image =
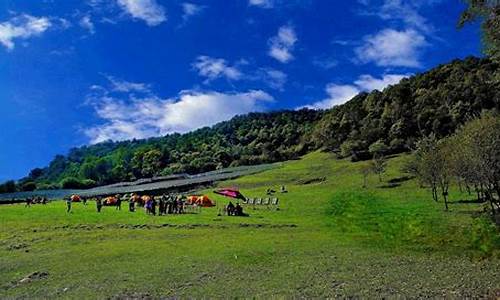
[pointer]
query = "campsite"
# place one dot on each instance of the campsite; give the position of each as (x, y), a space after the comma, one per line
(272, 252)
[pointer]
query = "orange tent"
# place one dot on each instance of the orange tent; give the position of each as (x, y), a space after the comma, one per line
(110, 200)
(75, 198)
(200, 200)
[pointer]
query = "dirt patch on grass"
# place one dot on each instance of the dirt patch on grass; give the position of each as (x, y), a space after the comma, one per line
(17, 246)
(314, 180)
(35, 276)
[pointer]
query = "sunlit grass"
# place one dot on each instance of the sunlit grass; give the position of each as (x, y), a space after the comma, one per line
(324, 238)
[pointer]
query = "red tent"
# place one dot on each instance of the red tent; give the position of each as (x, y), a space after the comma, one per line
(230, 192)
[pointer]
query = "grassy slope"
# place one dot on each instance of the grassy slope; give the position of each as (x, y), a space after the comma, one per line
(348, 241)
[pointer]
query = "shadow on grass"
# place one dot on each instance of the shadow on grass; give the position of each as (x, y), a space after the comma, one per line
(389, 186)
(400, 179)
(469, 201)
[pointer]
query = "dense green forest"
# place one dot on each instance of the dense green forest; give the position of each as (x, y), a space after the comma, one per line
(436, 102)
(392, 121)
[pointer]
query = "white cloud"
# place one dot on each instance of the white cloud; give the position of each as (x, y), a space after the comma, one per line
(190, 9)
(337, 94)
(340, 94)
(281, 45)
(213, 68)
(406, 11)
(275, 79)
(86, 23)
(396, 9)
(118, 85)
(390, 47)
(153, 116)
(261, 3)
(369, 83)
(22, 27)
(147, 10)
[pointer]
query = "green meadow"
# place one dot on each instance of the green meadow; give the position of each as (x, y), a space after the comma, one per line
(330, 237)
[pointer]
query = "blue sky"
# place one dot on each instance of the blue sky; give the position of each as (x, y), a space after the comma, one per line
(80, 72)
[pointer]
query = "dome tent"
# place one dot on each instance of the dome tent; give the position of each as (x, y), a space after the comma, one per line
(201, 200)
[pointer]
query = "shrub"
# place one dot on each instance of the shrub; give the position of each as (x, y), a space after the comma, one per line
(75, 183)
(29, 186)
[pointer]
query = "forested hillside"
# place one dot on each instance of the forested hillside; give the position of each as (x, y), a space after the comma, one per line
(436, 102)
(244, 140)
(392, 121)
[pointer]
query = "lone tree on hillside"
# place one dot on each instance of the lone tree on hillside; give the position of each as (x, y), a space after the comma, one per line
(379, 162)
(378, 165)
(365, 171)
(444, 175)
(433, 167)
(425, 167)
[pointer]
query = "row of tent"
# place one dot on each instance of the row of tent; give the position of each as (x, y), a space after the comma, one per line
(201, 200)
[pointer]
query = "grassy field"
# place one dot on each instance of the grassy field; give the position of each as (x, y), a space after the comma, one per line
(330, 238)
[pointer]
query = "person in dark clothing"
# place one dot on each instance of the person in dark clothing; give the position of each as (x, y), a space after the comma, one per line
(44, 200)
(118, 202)
(84, 200)
(164, 199)
(153, 206)
(170, 205)
(98, 203)
(180, 205)
(238, 211)
(28, 202)
(68, 204)
(131, 206)
(230, 209)
(174, 205)
(161, 207)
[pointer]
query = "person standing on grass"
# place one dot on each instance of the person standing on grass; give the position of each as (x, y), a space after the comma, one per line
(68, 204)
(169, 205)
(98, 203)
(131, 206)
(153, 206)
(84, 200)
(28, 202)
(174, 204)
(230, 209)
(180, 205)
(118, 202)
(161, 206)
(148, 206)
(164, 199)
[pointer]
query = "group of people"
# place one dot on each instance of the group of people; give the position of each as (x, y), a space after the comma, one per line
(165, 204)
(35, 200)
(235, 210)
